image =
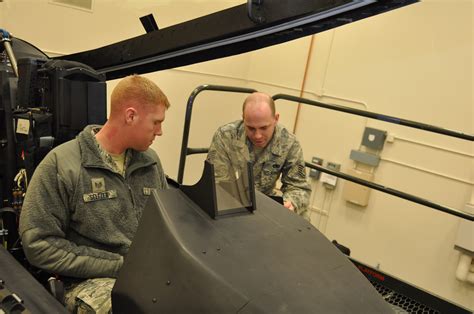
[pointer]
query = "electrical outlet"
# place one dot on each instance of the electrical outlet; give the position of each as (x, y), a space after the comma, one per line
(334, 166)
(329, 181)
(374, 138)
(390, 138)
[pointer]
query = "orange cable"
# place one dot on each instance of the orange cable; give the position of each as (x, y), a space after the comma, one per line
(303, 84)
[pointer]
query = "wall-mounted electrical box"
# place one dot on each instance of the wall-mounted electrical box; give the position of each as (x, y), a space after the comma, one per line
(334, 166)
(355, 193)
(313, 173)
(365, 158)
(328, 180)
(374, 138)
(465, 236)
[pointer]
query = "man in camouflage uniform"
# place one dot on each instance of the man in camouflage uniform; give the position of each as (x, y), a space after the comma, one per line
(86, 197)
(271, 149)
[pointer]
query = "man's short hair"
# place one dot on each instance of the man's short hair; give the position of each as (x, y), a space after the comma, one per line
(139, 88)
(259, 97)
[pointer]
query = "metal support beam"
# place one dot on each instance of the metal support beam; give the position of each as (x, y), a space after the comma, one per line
(228, 32)
(378, 116)
(391, 191)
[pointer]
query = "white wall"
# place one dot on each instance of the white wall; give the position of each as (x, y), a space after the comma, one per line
(415, 63)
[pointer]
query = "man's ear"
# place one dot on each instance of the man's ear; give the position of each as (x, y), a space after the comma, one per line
(277, 116)
(130, 115)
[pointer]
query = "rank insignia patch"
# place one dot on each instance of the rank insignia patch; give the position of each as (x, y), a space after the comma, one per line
(98, 185)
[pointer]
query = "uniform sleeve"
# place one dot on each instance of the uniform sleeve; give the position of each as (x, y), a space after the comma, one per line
(218, 155)
(295, 186)
(44, 220)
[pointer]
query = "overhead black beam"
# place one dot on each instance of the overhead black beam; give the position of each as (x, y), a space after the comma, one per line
(228, 32)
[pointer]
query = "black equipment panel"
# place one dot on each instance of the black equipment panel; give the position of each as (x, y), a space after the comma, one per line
(33, 296)
(271, 261)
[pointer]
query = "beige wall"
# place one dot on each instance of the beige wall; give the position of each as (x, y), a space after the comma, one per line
(58, 28)
(1, 13)
(415, 63)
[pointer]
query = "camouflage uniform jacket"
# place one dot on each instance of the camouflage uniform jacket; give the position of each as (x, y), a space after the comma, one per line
(79, 215)
(282, 156)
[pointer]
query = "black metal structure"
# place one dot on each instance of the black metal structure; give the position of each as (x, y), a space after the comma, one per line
(7, 149)
(217, 199)
(388, 190)
(73, 93)
(377, 116)
(203, 193)
(43, 103)
(149, 23)
(390, 119)
(187, 121)
(8, 89)
(229, 32)
(20, 292)
(254, 11)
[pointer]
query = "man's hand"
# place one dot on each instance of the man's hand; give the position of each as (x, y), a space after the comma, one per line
(289, 205)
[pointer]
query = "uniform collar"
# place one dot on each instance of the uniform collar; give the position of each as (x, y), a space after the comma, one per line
(91, 155)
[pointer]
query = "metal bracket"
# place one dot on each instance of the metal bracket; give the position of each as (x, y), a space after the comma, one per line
(254, 11)
(149, 23)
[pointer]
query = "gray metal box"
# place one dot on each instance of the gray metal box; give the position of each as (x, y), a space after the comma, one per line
(374, 138)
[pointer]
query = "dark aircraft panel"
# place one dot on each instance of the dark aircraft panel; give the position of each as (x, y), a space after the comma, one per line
(30, 295)
(271, 261)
